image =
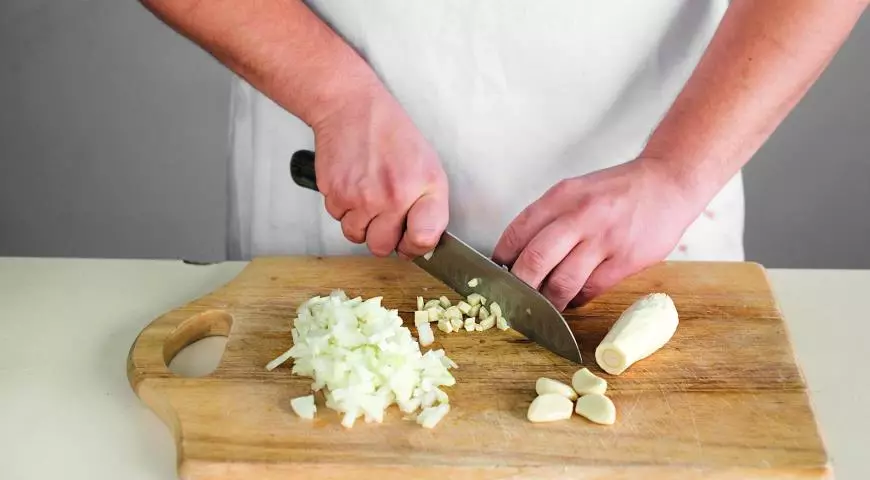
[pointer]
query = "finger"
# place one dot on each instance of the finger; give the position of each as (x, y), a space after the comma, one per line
(427, 219)
(602, 279)
(570, 276)
(335, 209)
(384, 233)
(522, 229)
(354, 225)
(546, 249)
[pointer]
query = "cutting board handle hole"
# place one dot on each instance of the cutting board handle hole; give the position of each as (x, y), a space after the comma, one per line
(196, 346)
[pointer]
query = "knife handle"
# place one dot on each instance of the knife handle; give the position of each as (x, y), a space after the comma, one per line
(302, 169)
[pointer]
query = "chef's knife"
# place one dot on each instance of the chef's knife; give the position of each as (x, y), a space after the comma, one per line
(456, 264)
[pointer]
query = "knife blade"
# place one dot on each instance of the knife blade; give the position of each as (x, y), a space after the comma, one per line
(455, 264)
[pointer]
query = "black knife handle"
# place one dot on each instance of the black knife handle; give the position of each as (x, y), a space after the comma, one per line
(302, 169)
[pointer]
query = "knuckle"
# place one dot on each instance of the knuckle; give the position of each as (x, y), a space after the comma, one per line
(562, 187)
(380, 249)
(564, 286)
(407, 249)
(598, 285)
(334, 206)
(614, 239)
(423, 237)
(350, 233)
(354, 238)
(512, 237)
(395, 194)
(590, 290)
(584, 205)
(367, 198)
(534, 258)
(333, 212)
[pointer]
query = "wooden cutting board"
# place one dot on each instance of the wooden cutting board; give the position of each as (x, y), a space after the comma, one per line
(724, 399)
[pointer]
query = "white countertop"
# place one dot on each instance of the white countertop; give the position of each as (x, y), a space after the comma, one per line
(67, 411)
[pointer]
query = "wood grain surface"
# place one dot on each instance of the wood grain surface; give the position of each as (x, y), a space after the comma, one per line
(723, 399)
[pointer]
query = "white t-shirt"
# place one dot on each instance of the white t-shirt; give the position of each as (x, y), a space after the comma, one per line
(514, 96)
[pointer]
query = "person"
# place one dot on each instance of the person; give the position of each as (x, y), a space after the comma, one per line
(577, 142)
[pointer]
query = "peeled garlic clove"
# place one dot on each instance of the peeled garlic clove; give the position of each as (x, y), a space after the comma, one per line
(596, 408)
(463, 307)
(444, 301)
(585, 382)
(431, 304)
(550, 407)
(547, 385)
(646, 326)
(495, 309)
(445, 326)
(474, 299)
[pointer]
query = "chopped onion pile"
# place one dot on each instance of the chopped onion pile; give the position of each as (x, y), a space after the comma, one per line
(359, 353)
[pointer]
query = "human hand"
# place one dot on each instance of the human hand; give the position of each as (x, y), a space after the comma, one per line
(380, 177)
(587, 233)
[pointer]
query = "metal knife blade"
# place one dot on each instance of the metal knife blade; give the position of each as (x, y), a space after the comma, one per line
(456, 264)
(530, 313)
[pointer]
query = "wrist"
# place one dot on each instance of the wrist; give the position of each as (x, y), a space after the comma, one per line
(341, 89)
(684, 180)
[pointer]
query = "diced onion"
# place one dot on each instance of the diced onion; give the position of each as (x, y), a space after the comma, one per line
(304, 406)
(430, 417)
(364, 360)
(427, 336)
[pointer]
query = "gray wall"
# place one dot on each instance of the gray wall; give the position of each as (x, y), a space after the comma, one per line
(113, 135)
(808, 188)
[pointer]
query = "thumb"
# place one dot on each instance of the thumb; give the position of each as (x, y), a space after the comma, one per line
(426, 221)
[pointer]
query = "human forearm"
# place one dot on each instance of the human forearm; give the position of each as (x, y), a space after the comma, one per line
(280, 47)
(379, 176)
(761, 61)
